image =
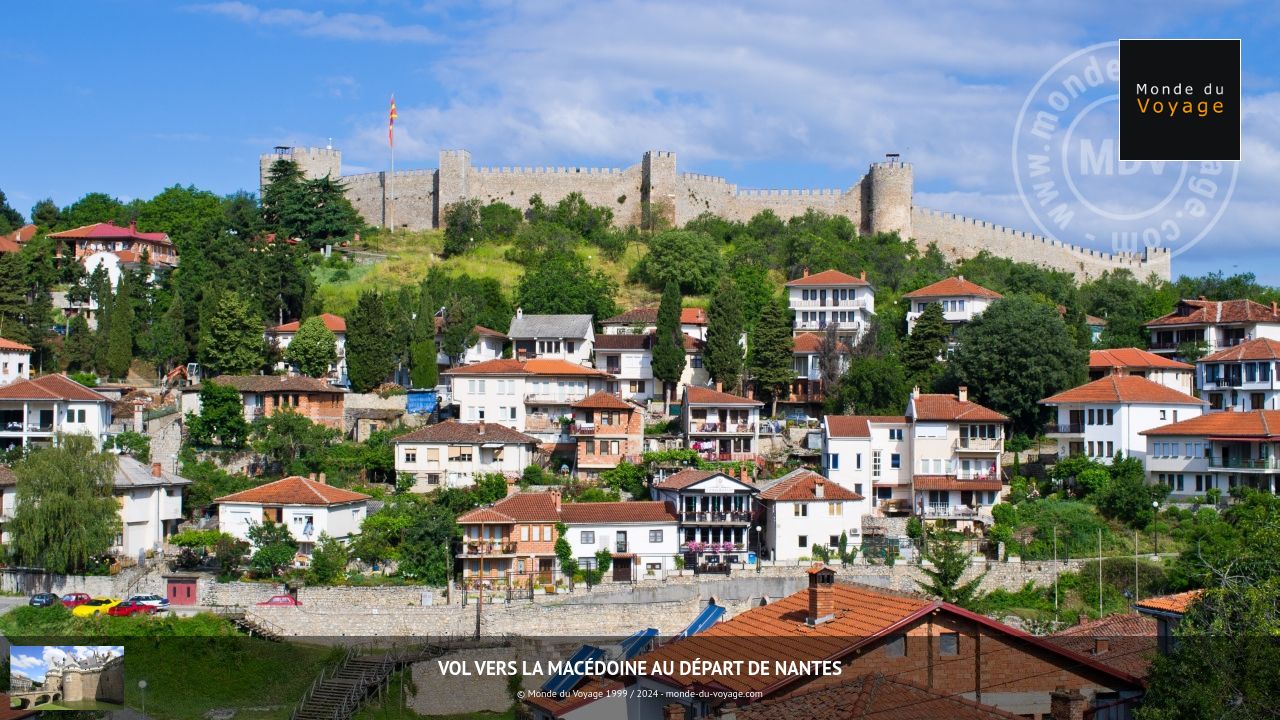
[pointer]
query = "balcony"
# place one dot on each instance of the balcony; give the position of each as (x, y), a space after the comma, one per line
(554, 397)
(542, 423)
(582, 429)
(1064, 429)
(859, 304)
(1260, 464)
(945, 510)
(31, 427)
(846, 328)
(731, 517)
(984, 445)
(714, 456)
(488, 548)
(716, 428)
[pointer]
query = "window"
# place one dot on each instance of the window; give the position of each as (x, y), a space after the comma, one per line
(655, 536)
(411, 455)
(949, 643)
(896, 646)
(835, 541)
(895, 433)
(857, 487)
(1111, 448)
(835, 461)
(875, 463)
(695, 361)
(1164, 414)
(857, 461)
(800, 509)
(1111, 416)
(433, 479)
(588, 537)
(546, 533)
(895, 460)
(524, 533)
(1091, 417)
(835, 508)
(803, 541)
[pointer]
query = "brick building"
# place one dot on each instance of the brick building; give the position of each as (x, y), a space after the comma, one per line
(265, 395)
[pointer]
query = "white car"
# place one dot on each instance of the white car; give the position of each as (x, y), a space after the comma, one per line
(155, 601)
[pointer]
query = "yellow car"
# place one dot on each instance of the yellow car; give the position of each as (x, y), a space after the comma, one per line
(96, 606)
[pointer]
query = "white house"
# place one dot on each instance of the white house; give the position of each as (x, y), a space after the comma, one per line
(1107, 416)
(1218, 324)
(15, 361)
(802, 509)
(961, 300)
(1133, 361)
(282, 335)
(628, 358)
(644, 321)
(832, 297)
(33, 412)
(641, 536)
(1217, 450)
(716, 511)
(150, 505)
(807, 392)
(452, 454)
(719, 425)
(1242, 377)
(956, 451)
(488, 345)
(8, 499)
(559, 337)
(869, 455)
(308, 508)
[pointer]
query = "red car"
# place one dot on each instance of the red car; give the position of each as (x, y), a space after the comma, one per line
(132, 607)
(71, 600)
(281, 601)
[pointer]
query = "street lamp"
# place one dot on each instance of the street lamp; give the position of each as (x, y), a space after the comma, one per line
(759, 547)
(142, 686)
(1155, 517)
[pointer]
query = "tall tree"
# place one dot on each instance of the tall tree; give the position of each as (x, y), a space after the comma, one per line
(560, 282)
(370, 348)
(10, 219)
(723, 352)
(221, 419)
(13, 296)
(691, 259)
(66, 517)
(424, 371)
(231, 343)
(925, 345)
(314, 348)
(872, 385)
(831, 353)
(120, 336)
(771, 356)
(168, 340)
(46, 214)
(77, 349)
(668, 345)
(950, 559)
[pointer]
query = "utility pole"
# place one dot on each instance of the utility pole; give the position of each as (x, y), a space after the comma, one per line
(1055, 572)
(1099, 572)
(480, 584)
(1135, 567)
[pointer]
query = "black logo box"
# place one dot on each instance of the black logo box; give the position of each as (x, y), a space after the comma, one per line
(1205, 73)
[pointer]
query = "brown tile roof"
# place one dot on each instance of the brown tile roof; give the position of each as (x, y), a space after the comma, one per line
(1132, 358)
(1122, 389)
(1130, 641)
(110, 230)
(948, 407)
(488, 332)
(294, 490)
(602, 401)
(6, 344)
(872, 696)
(335, 323)
(7, 478)
(828, 277)
(536, 366)
(603, 513)
(624, 341)
(452, 431)
(1257, 349)
(49, 387)
(1178, 603)
(1094, 320)
(951, 482)
(953, 287)
(859, 425)
(1204, 312)
(708, 396)
(277, 383)
(802, 485)
(686, 477)
(520, 507)
(1251, 424)
(22, 234)
(500, 366)
(809, 343)
(691, 343)
(649, 316)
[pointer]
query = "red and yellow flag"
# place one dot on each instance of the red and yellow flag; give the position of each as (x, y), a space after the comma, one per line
(391, 123)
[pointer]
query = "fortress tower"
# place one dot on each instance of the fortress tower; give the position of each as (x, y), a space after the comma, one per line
(659, 192)
(313, 162)
(886, 202)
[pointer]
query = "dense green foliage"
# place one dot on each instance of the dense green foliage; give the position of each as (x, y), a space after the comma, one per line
(771, 345)
(668, 344)
(723, 354)
(924, 346)
(314, 348)
(221, 418)
(315, 211)
(688, 258)
(371, 350)
(231, 343)
(950, 559)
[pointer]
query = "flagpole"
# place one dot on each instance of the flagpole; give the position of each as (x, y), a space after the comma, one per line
(391, 137)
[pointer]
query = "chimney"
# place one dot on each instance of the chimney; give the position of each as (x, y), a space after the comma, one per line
(1101, 645)
(719, 386)
(742, 474)
(312, 477)
(480, 430)
(1275, 307)
(963, 395)
(137, 416)
(1066, 704)
(321, 479)
(806, 273)
(863, 276)
(555, 498)
(519, 312)
(818, 490)
(156, 470)
(822, 601)
(751, 393)
(915, 391)
(674, 711)
(1202, 298)
(960, 278)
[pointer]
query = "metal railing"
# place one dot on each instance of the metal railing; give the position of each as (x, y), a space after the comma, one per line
(1064, 429)
(974, 443)
(731, 516)
(621, 546)
(1269, 463)
(716, 427)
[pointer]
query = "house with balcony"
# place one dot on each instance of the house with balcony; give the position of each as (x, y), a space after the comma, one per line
(281, 335)
(15, 361)
(717, 515)
(33, 412)
(316, 399)
(802, 509)
(720, 426)
(644, 321)
(629, 359)
(150, 500)
(552, 337)
(307, 507)
(961, 300)
(1217, 450)
(453, 454)
(832, 297)
(1213, 324)
(607, 431)
(642, 536)
(807, 393)
(1158, 369)
(870, 455)
(956, 450)
(1242, 377)
(116, 249)
(1107, 416)
(511, 542)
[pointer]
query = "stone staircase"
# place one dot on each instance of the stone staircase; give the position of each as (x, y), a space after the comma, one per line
(337, 695)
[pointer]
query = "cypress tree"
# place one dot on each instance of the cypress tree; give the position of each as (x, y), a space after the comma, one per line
(771, 357)
(723, 353)
(927, 342)
(668, 346)
(120, 335)
(370, 346)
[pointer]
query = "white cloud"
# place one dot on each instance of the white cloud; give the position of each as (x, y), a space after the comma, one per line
(25, 662)
(339, 26)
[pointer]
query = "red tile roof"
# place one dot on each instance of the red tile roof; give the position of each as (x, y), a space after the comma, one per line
(828, 278)
(14, 345)
(623, 341)
(294, 490)
(649, 316)
(1257, 349)
(109, 230)
(276, 383)
(604, 513)
(7, 245)
(520, 507)
(602, 401)
(1122, 389)
(1251, 424)
(810, 343)
(948, 407)
(1132, 358)
(951, 482)
(687, 477)
(802, 485)
(872, 696)
(953, 287)
(859, 425)
(691, 343)
(708, 396)
(22, 234)
(49, 387)
(1177, 604)
(536, 366)
(1130, 641)
(335, 323)
(1204, 312)
(489, 332)
(452, 431)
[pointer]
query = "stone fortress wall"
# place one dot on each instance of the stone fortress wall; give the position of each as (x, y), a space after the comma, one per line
(880, 201)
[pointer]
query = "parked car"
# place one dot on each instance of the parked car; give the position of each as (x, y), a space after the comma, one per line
(156, 601)
(281, 601)
(132, 607)
(72, 600)
(95, 606)
(44, 600)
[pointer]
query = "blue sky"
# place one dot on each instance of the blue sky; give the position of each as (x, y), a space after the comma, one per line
(128, 97)
(35, 660)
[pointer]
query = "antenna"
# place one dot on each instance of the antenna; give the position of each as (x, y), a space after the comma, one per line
(330, 145)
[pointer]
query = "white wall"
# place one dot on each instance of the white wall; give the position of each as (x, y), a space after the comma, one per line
(638, 542)
(339, 521)
(143, 513)
(973, 307)
(1124, 434)
(14, 365)
(514, 458)
(783, 528)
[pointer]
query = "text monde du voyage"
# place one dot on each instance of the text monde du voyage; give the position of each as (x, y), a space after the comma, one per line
(1179, 99)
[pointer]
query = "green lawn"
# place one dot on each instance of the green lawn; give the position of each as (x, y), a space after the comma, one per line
(389, 706)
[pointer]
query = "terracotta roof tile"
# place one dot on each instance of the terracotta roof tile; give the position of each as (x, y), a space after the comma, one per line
(109, 230)
(603, 401)
(692, 344)
(553, 366)
(1122, 389)
(520, 507)
(294, 490)
(604, 513)
(649, 316)
(1130, 641)
(1251, 424)
(953, 287)
(536, 366)
(501, 366)
(452, 431)
(335, 323)
(1178, 603)
(809, 343)
(828, 277)
(847, 426)
(6, 344)
(708, 396)
(802, 485)
(951, 482)
(49, 387)
(1132, 358)
(277, 383)
(22, 234)
(948, 407)
(1205, 312)
(872, 696)
(488, 332)
(7, 478)
(624, 341)
(685, 478)
(1257, 349)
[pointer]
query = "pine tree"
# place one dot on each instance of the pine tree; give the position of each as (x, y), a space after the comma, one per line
(927, 343)
(168, 339)
(370, 347)
(668, 346)
(231, 343)
(950, 559)
(120, 336)
(13, 295)
(424, 372)
(77, 350)
(771, 357)
(723, 352)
